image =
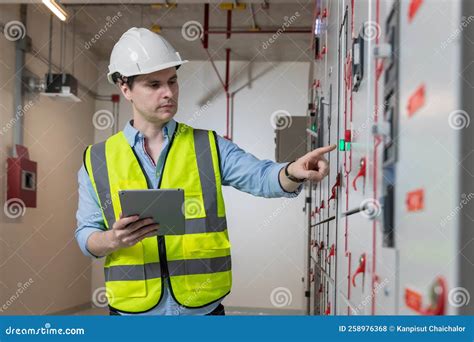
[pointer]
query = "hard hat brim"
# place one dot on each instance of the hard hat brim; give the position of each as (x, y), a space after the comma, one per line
(144, 72)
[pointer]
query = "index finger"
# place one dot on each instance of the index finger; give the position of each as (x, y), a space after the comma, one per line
(323, 150)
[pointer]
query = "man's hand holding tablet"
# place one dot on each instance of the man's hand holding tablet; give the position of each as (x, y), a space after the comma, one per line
(128, 231)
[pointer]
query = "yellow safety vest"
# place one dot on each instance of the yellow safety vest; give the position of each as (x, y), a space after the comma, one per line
(198, 263)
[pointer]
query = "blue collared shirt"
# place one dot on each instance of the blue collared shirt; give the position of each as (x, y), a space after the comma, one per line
(240, 170)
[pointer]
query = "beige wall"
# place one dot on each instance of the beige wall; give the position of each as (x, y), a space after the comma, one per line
(40, 245)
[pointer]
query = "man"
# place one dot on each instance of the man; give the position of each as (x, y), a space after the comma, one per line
(186, 274)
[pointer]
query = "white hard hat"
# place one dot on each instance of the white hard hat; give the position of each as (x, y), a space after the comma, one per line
(140, 51)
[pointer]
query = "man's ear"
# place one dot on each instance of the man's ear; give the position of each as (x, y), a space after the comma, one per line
(125, 90)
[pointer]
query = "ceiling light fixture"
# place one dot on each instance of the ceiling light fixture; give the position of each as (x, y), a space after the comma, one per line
(58, 10)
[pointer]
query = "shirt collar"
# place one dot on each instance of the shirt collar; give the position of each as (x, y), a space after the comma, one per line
(132, 134)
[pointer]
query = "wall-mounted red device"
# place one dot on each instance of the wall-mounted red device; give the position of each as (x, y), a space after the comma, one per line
(22, 177)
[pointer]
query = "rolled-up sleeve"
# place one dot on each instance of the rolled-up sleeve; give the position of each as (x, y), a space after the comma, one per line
(88, 215)
(245, 172)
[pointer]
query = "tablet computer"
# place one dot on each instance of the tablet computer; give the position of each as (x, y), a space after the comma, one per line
(163, 205)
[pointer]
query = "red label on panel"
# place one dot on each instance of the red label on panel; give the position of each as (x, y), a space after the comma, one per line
(416, 101)
(347, 135)
(415, 200)
(413, 300)
(414, 7)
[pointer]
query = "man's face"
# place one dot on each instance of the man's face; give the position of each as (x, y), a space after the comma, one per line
(155, 95)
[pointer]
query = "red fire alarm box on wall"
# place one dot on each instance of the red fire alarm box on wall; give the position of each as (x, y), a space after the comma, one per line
(22, 178)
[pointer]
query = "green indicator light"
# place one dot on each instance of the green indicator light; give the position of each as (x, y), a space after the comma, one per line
(348, 146)
(342, 145)
(313, 127)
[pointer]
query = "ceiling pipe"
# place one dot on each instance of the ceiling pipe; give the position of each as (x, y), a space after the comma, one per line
(229, 23)
(252, 13)
(227, 80)
(267, 31)
(21, 47)
(205, 40)
(226, 83)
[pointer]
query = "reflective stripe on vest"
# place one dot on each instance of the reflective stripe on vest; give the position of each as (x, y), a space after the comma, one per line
(133, 272)
(101, 176)
(176, 268)
(198, 262)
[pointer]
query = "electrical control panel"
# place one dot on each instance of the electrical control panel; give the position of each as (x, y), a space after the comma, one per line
(385, 225)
